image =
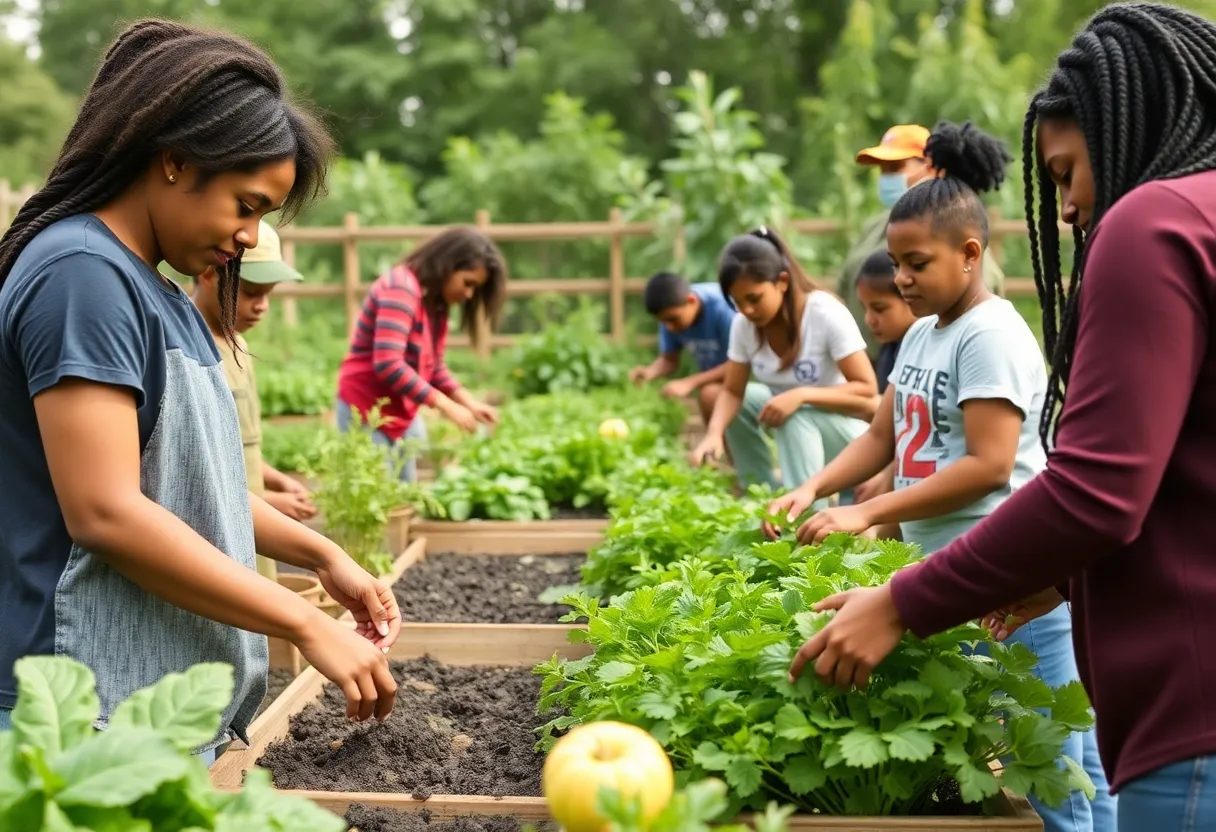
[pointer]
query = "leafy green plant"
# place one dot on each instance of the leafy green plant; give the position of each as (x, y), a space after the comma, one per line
(469, 493)
(359, 484)
(702, 662)
(574, 355)
(293, 447)
(58, 773)
(692, 809)
(294, 391)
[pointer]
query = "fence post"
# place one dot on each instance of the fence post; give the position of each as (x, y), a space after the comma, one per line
(291, 308)
(679, 248)
(616, 278)
(996, 242)
(481, 322)
(350, 270)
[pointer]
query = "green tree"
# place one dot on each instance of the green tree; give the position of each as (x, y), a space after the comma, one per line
(34, 116)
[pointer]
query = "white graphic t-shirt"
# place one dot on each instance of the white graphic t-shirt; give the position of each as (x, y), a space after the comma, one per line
(829, 334)
(988, 353)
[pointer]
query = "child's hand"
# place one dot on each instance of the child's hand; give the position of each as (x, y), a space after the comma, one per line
(484, 413)
(678, 389)
(779, 408)
(709, 448)
(369, 599)
(351, 662)
(640, 375)
(791, 504)
(853, 519)
(459, 415)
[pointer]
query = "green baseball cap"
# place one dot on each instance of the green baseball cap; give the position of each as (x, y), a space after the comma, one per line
(262, 264)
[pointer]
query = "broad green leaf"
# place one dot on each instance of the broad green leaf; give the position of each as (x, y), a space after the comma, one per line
(910, 743)
(1018, 778)
(260, 807)
(909, 689)
(804, 774)
(792, 723)
(976, 782)
(56, 703)
(54, 820)
(117, 767)
(1071, 707)
(184, 707)
(1036, 739)
(117, 819)
(711, 758)
(863, 748)
(1078, 778)
(654, 705)
(1017, 658)
(615, 671)
(744, 776)
(942, 679)
(13, 781)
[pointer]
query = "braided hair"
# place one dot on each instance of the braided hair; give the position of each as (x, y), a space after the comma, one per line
(968, 162)
(762, 256)
(1132, 66)
(213, 99)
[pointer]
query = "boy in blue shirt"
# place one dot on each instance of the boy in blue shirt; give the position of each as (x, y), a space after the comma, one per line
(695, 316)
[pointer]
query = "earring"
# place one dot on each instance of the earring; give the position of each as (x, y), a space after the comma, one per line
(172, 178)
(966, 268)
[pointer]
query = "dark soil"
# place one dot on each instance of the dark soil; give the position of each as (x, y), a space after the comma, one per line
(374, 819)
(485, 589)
(276, 682)
(454, 730)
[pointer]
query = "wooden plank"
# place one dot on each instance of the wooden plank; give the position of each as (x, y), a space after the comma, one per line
(498, 537)
(502, 645)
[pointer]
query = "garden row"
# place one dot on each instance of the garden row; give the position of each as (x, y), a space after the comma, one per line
(683, 621)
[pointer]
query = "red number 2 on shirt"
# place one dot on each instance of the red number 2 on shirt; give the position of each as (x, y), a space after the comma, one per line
(909, 466)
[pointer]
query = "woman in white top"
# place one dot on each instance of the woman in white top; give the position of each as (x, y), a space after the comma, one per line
(812, 383)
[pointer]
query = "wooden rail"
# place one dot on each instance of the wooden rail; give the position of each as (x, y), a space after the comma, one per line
(615, 230)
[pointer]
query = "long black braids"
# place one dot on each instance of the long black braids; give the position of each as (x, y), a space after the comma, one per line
(1133, 66)
(214, 99)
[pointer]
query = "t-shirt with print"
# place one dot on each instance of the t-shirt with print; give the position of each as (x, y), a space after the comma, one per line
(709, 336)
(78, 303)
(988, 353)
(829, 335)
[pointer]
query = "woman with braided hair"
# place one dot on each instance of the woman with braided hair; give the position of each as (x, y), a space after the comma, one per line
(1122, 143)
(128, 532)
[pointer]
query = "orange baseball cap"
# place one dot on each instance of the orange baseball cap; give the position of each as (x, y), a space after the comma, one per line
(903, 141)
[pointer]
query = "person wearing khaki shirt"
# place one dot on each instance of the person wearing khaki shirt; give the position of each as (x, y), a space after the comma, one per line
(262, 268)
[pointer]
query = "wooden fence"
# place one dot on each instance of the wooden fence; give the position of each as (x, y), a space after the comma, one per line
(616, 285)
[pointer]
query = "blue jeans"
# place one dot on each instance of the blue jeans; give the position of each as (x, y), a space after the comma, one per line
(1050, 637)
(1180, 797)
(417, 430)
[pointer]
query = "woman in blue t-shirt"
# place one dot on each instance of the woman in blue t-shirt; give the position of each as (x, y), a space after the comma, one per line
(129, 534)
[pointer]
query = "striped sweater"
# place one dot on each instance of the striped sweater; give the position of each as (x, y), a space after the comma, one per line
(396, 352)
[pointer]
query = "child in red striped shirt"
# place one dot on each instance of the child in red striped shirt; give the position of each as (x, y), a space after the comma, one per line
(396, 351)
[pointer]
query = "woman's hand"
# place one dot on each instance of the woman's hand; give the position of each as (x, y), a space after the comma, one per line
(458, 414)
(710, 448)
(352, 663)
(865, 629)
(484, 413)
(792, 503)
(370, 600)
(1004, 622)
(779, 408)
(855, 519)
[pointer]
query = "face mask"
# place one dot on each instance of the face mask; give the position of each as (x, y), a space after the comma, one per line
(891, 186)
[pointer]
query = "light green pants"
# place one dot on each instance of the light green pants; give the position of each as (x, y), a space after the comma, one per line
(808, 441)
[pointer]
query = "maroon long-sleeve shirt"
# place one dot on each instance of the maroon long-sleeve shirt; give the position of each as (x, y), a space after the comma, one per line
(1125, 513)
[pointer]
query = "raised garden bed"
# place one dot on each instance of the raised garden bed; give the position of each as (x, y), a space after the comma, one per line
(485, 589)
(373, 819)
(500, 537)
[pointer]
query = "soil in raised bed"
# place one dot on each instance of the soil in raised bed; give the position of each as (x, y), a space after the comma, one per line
(377, 819)
(276, 682)
(453, 730)
(485, 589)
